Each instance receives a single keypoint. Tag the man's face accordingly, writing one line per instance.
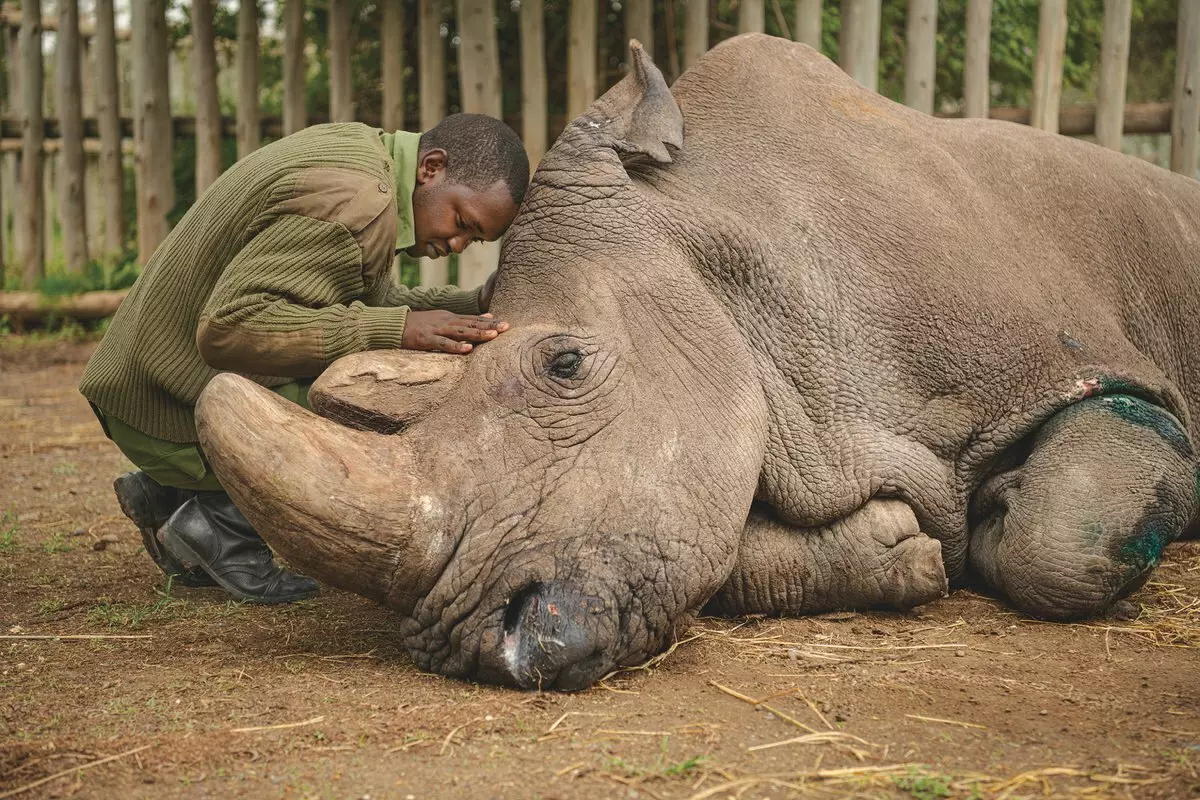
(447, 216)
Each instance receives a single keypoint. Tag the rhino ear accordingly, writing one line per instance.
(638, 116)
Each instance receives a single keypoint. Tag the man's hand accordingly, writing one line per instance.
(485, 293)
(446, 332)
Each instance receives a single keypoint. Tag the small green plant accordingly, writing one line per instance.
(56, 544)
(124, 615)
(923, 785)
(684, 768)
(65, 468)
(51, 604)
(8, 529)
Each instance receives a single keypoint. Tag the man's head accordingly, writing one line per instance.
(472, 173)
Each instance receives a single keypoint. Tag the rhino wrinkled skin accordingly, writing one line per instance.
(778, 345)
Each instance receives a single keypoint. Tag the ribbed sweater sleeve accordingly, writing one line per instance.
(448, 298)
(285, 305)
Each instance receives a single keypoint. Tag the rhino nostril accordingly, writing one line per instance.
(516, 606)
(554, 636)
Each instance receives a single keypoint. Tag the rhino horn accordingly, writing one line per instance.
(347, 507)
(385, 390)
(638, 116)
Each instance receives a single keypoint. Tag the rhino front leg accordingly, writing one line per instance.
(1107, 483)
(875, 558)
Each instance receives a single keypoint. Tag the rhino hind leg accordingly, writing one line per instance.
(1106, 485)
(876, 557)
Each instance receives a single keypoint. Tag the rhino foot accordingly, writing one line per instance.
(875, 558)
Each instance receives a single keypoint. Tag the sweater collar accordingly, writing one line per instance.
(403, 148)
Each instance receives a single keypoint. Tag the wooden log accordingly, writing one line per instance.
(341, 92)
(1048, 68)
(533, 80)
(1114, 66)
(152, 125)
(581, 57)
(393, 64)
(479, 89)
(808, 23)
(639, 24)
(1185, 118)
(33, 256)
(247, 74)
(920, 57)
(34, 307)
(859, 44)
(73, 208)
(7, 56)
(10, 17)
(431, 53)
(295, 67)
(93, 199)
(669, 29)
(108, 123)
(208, 103)
(752, 16)
(695, 31)
(976, 88)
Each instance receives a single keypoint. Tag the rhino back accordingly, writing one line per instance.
(948, 283)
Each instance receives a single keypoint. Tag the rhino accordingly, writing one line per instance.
(779, 346)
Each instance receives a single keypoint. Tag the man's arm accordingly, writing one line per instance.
(442, 298)
(286, 303)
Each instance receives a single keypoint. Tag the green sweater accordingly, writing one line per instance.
(279, 269)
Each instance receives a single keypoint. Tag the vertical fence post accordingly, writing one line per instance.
(431, 52)
(392, 55)
(112, 168)
(920, 59)
(533, 80)
(16, 107)
(976, 88)
(695, 31)
(73, 209)
(208, 102)
(808, 23)
(581, 57)
(1048, 68)
(752, 16)
(1185, 116)
(639, 23)
(341, 91)
(247, 74)
(294, 67)
(1114, 65)
(859, 45)
(33, 256)
(479, 88)
(152, 125)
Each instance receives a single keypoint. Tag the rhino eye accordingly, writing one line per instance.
(565, 365)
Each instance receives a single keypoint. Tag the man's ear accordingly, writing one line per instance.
(638, 116)
(431, 164)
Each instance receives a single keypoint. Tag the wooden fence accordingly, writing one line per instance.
(113, 92)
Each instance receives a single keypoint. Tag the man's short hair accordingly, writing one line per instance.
(480, 150)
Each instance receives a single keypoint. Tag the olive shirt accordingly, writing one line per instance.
(280, 268)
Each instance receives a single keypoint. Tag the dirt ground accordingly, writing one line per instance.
(188, 695)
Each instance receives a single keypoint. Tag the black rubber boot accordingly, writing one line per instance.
(208, 531)
(149, 504)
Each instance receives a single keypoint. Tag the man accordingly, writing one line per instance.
(280, 268)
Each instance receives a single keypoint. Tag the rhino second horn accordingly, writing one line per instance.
(385, 390)
(343, 506)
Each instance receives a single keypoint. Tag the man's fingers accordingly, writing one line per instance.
(444, 345)
(469, 334)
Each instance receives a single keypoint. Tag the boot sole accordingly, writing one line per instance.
(182, 552)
